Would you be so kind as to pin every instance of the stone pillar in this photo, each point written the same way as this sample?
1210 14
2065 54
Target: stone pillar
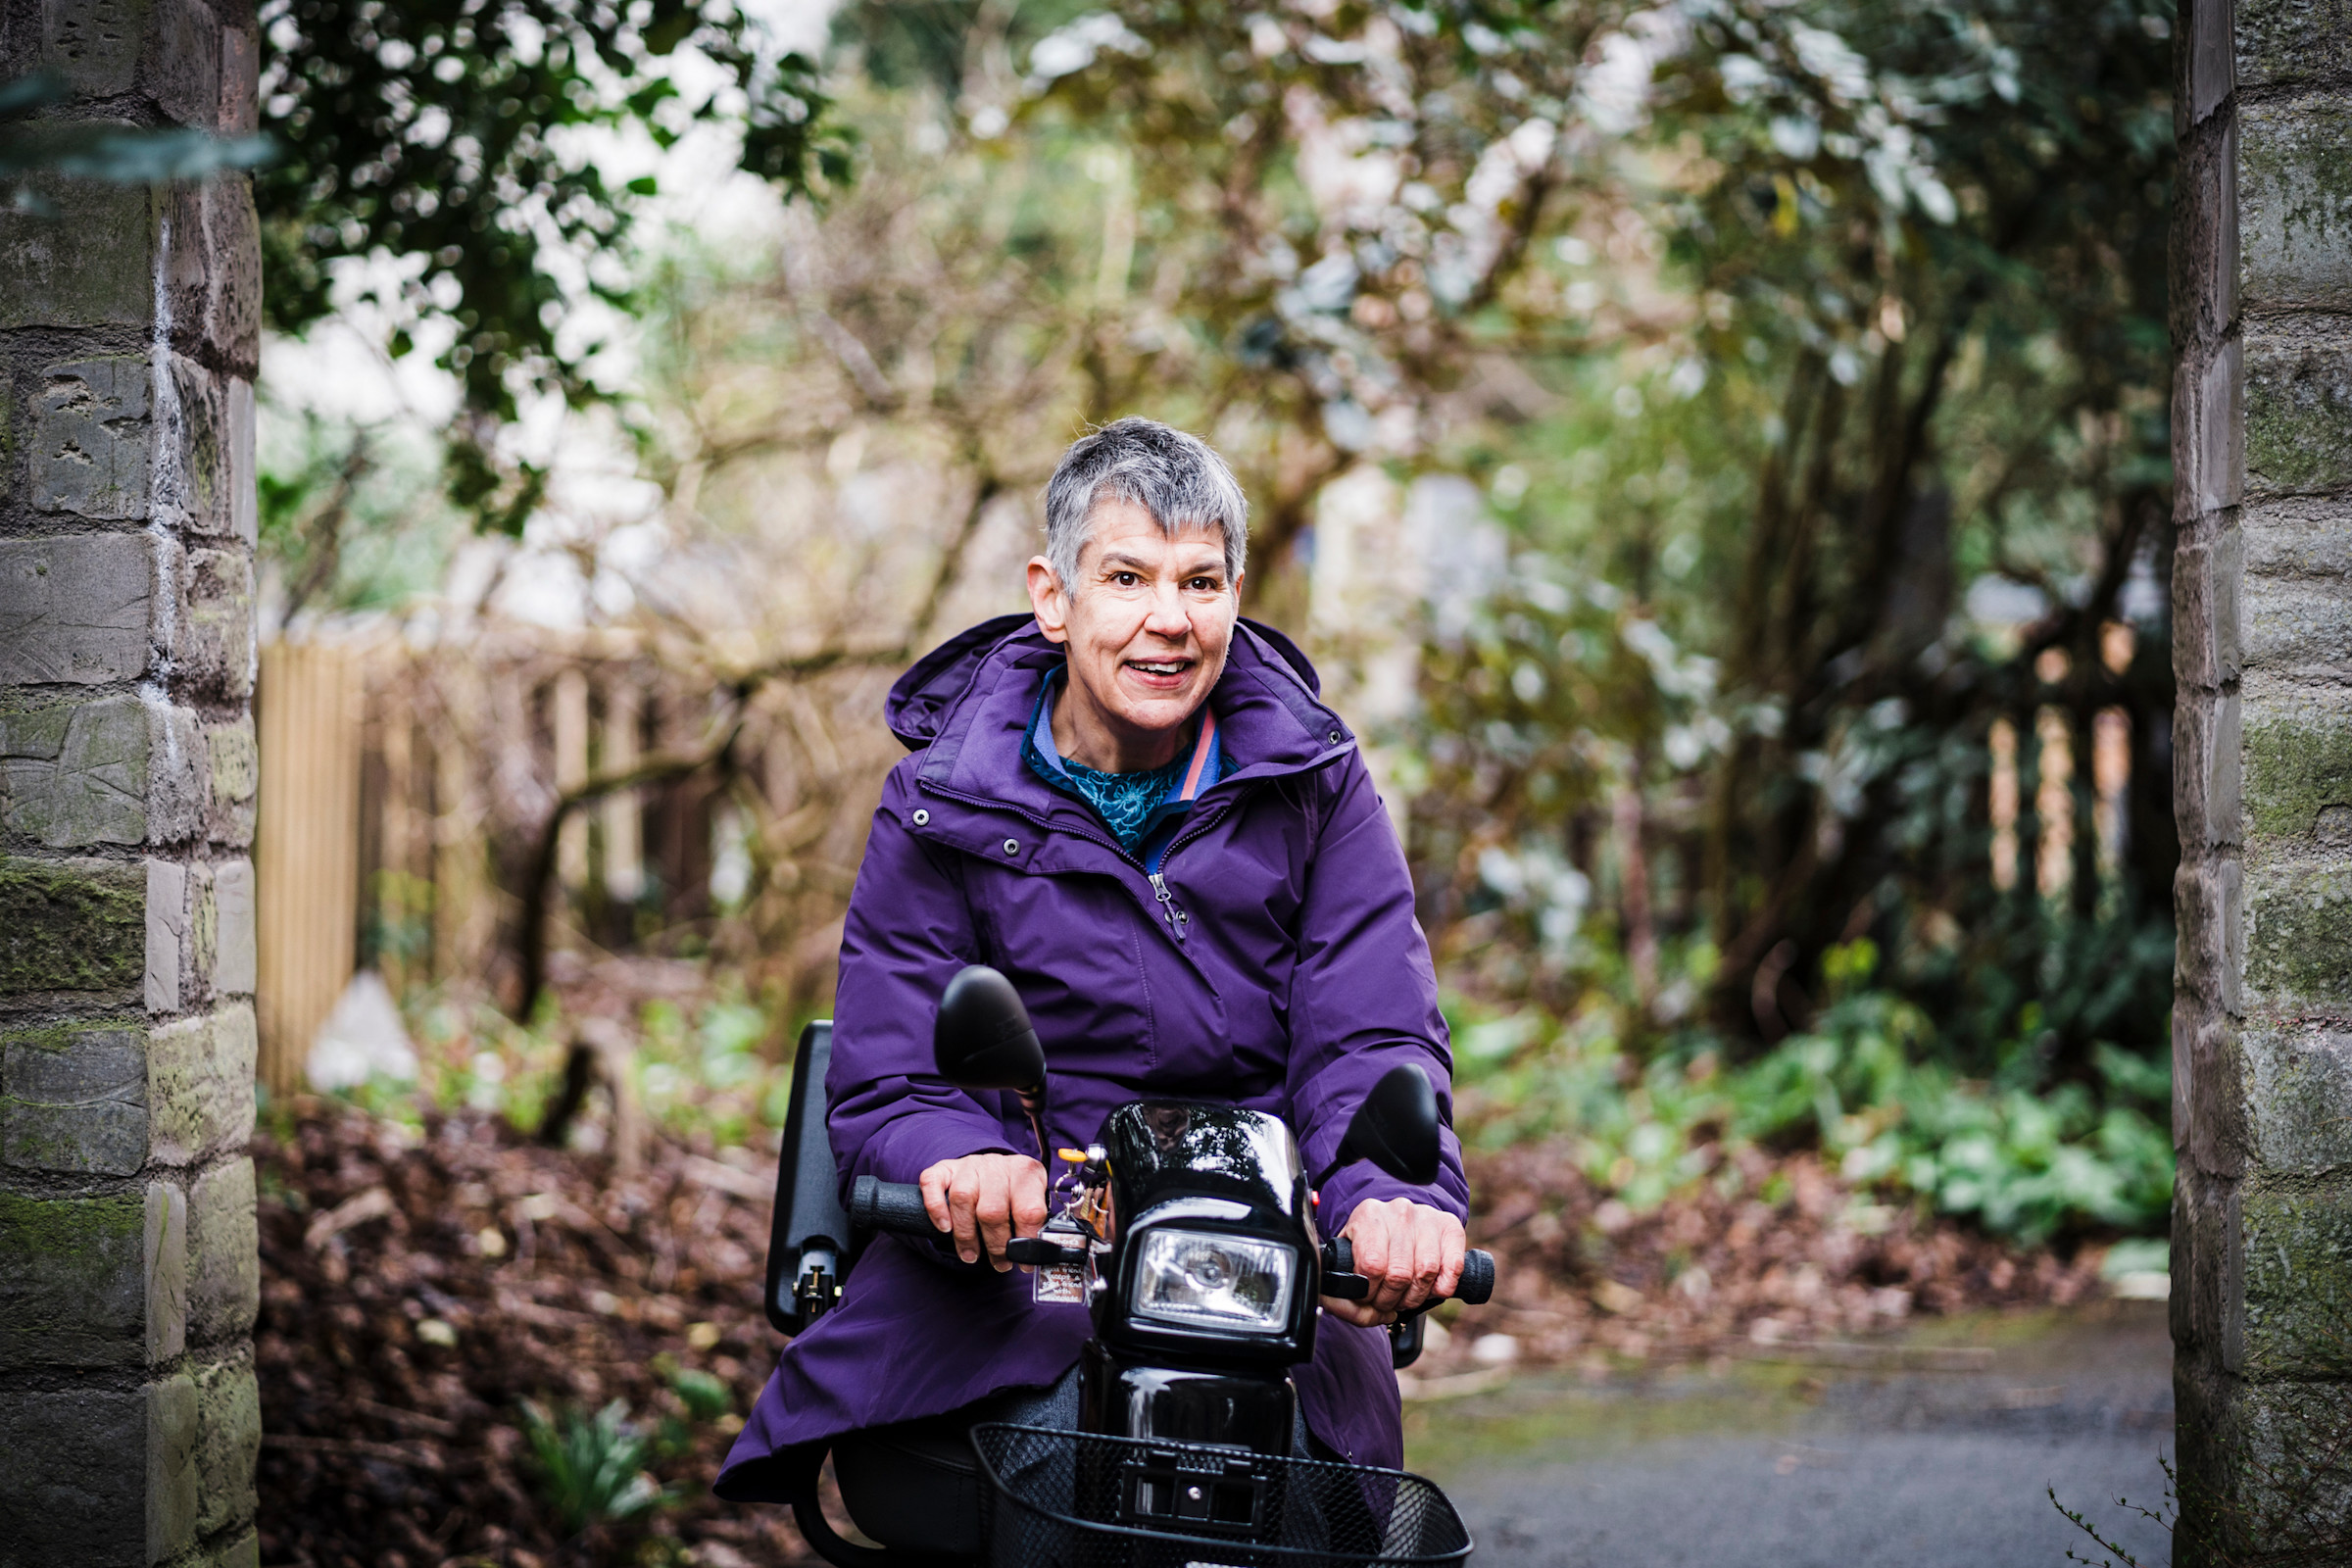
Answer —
2262 1023
128 339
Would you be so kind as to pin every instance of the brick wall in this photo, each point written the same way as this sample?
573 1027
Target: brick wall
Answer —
2262 1052
128 338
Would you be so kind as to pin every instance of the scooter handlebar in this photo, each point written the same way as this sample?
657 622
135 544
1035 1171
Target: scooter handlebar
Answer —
896 1206
1340 1280
1477 1285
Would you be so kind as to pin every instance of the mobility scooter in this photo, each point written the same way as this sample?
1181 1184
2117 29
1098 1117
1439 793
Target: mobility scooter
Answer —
1188 1229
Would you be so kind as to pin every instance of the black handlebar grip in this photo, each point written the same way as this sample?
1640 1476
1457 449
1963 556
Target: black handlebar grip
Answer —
1476 1284
880 1206
1341 1282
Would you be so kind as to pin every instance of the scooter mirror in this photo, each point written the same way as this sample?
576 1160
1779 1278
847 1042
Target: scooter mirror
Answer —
1396 1126
983 1037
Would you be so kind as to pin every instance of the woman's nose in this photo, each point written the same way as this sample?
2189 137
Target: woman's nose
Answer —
1167 618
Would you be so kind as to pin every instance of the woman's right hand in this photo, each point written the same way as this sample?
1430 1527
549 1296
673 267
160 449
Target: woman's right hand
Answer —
985 1199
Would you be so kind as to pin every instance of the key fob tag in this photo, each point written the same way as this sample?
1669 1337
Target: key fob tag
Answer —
1061 1283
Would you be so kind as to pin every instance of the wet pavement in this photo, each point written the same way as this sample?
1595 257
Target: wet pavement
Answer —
1933 1449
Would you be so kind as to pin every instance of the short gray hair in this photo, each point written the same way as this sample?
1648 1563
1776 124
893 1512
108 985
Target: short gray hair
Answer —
1176 477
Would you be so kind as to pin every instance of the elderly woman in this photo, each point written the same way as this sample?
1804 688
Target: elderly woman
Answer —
1131 802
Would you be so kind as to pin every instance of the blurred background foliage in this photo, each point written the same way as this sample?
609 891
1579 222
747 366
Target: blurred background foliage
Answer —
447 148
1750 418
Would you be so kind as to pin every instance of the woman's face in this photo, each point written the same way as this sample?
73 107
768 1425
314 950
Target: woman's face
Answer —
1148 625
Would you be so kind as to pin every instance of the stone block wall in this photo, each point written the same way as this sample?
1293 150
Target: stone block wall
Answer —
2262 1025
129 326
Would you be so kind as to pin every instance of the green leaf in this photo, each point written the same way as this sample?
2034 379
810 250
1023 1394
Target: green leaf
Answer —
670 31
706 1397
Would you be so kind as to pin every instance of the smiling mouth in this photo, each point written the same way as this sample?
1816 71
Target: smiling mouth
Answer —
1160 669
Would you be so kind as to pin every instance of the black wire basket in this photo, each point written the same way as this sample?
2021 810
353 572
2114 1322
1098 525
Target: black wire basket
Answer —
1067 1500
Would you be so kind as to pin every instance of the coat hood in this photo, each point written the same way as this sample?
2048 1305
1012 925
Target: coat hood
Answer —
921 700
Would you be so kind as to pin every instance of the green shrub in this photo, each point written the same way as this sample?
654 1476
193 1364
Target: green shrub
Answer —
591 1469
1865 1086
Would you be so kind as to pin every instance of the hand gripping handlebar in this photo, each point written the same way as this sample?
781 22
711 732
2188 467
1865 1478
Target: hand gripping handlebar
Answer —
897 1207
1341 1283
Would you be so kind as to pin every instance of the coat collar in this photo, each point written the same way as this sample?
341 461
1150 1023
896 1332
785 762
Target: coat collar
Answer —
968 704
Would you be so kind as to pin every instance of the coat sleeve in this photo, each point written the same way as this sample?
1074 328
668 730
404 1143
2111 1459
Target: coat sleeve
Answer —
1363 997
909 931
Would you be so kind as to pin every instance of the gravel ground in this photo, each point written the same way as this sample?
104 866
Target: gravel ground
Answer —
1936 1450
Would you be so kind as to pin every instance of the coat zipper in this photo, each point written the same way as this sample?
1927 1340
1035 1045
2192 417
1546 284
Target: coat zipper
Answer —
1193 827
1177 918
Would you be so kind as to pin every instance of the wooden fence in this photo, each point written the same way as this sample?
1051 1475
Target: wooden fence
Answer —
404 790
307 857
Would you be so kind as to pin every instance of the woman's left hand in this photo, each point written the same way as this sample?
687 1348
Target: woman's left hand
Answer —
1408 1251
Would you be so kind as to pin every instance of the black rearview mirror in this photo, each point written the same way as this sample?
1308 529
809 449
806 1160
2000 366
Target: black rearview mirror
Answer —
1396 1126
983 1037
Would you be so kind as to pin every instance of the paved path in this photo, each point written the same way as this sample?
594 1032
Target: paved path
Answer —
1933 1451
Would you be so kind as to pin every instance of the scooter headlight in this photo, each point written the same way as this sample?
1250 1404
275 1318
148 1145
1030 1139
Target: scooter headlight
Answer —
1208 1281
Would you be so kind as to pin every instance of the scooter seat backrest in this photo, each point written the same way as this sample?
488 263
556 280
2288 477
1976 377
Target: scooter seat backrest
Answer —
807 1212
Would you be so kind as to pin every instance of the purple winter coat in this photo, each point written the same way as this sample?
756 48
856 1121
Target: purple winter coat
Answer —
1301 976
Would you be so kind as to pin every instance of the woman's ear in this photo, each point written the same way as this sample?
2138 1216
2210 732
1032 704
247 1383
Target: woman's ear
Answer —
1047 602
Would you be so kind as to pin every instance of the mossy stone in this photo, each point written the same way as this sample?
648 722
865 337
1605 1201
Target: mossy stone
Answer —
2295 203
2292 40
74 776
72 926
73 1279
2297 764
229 1441
2299 417
92 265
199 1075
2296 1241
225 1281
2299 937
73 1097
74 1461
2248 1490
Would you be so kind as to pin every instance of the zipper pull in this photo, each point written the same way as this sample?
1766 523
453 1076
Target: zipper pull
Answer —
1177 918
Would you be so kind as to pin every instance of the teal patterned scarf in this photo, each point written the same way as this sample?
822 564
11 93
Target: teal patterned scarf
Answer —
1129 805
1124 801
